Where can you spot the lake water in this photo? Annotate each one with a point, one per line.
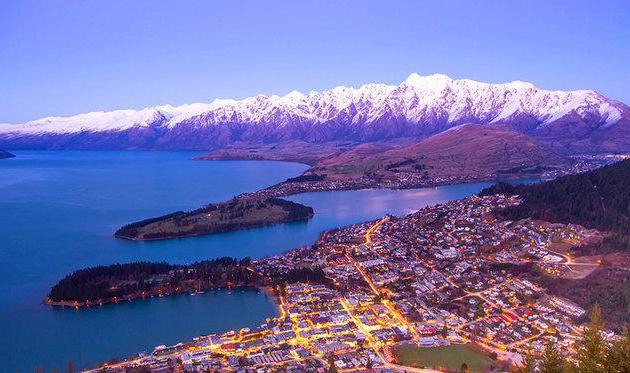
(60, 208)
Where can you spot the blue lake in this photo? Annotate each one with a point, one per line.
(60, 208)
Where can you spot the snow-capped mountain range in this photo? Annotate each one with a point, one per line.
(419, 106)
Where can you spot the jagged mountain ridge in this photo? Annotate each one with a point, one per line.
(418, 107)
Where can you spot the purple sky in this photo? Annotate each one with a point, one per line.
(66, 57)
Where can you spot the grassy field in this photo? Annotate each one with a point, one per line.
(445, 357)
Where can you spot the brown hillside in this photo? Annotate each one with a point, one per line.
(467, 151)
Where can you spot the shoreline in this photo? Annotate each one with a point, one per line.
(241, 212)
(129, 299)
(265, 288)
(275, 299)
(291, 186)
(210, 233)
(537, 178)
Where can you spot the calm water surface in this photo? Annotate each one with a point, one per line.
(59, 210)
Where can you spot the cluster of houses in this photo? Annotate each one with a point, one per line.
(442, 275)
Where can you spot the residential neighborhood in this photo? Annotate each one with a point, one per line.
(446, 275)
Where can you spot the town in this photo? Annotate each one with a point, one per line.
(415, 179)
(446, 275)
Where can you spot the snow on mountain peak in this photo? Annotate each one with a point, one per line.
(519, 84)
(424, 100)
(294, 95)
(427, 82)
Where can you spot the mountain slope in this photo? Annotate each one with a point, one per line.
(420, 106)
(597, 199)
(466, 152)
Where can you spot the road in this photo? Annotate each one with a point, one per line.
(373, 343)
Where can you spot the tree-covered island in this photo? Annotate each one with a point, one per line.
(241, 212)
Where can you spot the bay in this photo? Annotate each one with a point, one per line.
(60, 208)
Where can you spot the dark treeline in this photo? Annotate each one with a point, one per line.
(305, 178)
(524, 170)
(133, 280)
(96, 282)
(296, 211)
(596, 199)
(131, 230)
(394, 165)
(103, 283)
(309, 275)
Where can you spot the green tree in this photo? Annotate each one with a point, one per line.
(529, 364)
(331, 362)
(617, 357)
(464, 368)
(592, 349)
(551, 360)
(444, 331)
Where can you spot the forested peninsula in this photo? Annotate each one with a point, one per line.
(122, 282)
(238, 213)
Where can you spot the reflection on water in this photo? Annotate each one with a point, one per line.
(59, 212)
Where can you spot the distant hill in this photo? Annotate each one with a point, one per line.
(597, 199)
(5, 154)
(470, 151)
(291, 151)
